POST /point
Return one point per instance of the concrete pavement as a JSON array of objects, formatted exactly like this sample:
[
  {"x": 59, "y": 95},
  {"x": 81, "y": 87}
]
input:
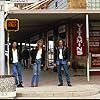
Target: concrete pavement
[{"x": 48, "y": 87}]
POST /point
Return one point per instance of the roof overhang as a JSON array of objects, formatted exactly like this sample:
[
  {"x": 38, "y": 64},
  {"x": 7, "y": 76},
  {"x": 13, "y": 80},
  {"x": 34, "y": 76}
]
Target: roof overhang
[{"x": 36, "y": 21}]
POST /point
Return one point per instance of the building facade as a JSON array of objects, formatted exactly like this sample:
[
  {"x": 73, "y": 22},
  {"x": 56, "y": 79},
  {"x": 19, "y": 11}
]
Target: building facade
[
  {"x": 74, "y": 33},
  {"x": 82, "y": 20}
]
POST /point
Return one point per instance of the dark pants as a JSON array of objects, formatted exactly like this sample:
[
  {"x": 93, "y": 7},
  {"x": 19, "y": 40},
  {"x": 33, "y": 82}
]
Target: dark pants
[
  {"x": 61, "y": 63},
  {"x": 25, "y": 62}
]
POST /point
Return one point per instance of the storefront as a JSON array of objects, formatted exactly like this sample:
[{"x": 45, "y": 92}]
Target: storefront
[
  {"x": 95, "y": 46},
  {"x": 74, "y": 35}
]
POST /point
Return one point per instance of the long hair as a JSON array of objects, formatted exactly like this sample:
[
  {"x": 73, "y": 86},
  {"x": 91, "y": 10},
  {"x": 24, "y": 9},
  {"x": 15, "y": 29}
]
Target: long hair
[
  {"x": 60, "y": 40},
  {"x": 40, "y": 41},
  {"x": 13, "y": 42}
]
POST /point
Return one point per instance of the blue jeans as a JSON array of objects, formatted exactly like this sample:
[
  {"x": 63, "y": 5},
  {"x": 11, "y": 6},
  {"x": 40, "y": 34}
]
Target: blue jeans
[
  {"x": 62, "y": 63},
  {"x": 36, "y": 72},
  {"x": 16, "y": 70}
]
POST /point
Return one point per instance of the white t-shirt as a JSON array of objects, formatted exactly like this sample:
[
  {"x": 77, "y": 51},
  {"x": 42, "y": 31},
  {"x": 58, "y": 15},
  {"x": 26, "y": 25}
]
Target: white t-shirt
[
  {"x": 15, "y": 56},
  {"x": 60, "y": 54},
  {"x": 39, "y": 53}
]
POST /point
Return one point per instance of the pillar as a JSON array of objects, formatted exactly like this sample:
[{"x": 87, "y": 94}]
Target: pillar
[{"x": 2, "y": 41}]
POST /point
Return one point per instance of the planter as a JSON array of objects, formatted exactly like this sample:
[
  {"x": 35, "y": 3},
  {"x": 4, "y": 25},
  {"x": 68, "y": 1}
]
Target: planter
[{"x": 7, "y": 86}]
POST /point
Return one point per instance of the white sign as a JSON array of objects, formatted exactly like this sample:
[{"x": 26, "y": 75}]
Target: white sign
[
  {"x": 79, "y": 40},
  {"x": 23, "y": 1}
]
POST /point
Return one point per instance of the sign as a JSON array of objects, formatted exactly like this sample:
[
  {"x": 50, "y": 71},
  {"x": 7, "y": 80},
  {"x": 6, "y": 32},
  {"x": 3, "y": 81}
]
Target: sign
[
  {"x": 22, "y": 1},
  {"x": 62, "y": 29},
  {"x": 94, "y": 33},
  {"x": 95, "y": 60},
  {"x": 50, "y": 33},
  {"x": 94, "y": 45},
  {"x": 12, "y": 24},
  {"x": 79, "y": 40}
]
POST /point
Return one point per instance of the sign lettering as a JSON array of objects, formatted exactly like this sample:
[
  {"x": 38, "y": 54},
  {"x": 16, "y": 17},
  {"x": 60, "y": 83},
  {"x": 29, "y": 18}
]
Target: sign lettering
[
  {"x": 79, "y": 48},
  {"x": 79, "y": 40}
]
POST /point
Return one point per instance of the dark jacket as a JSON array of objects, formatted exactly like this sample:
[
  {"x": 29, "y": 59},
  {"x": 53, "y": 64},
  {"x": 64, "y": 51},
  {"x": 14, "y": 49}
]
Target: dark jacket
[
  {"x": 65, "y": 53},
  {"x": 25, "y": 54},
  {"x": 11, "y": 55},
  {"x": 34, "y": 53}
]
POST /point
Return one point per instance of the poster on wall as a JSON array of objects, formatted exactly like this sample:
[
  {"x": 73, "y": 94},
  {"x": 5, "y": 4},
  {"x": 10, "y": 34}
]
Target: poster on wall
[
  {"x": 79, "y": 39},
  {"x": 94, "y": 45},
  {"x": 95, "y": 60}
]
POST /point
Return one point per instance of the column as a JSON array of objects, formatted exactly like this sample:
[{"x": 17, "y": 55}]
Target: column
[
  {"x": 2, "y": 41},
  {"x": 87, "y": 37}
]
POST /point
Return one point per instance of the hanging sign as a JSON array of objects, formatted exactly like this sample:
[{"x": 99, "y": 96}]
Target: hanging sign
[
  {"x": 79, "y": 40},
  {"x": 12, "y": 24}
]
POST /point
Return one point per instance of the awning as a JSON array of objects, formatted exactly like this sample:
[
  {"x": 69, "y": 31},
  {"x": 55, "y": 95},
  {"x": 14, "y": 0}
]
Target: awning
[{"x": 36, "y": 21}]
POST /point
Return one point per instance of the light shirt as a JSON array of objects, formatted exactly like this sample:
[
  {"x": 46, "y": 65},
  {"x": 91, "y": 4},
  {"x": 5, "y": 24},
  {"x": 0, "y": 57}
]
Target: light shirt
[
  {"x": 39, "y": 53},
  {"x": 60, "y": 54},
  {"x": 15, "y": 56}
]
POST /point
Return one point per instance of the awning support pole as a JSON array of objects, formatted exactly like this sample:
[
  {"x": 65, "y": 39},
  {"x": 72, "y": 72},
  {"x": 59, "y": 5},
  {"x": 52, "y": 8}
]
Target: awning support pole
[
  {"x": 8, "y": 54},
  {"x": 87, "y": 37}
]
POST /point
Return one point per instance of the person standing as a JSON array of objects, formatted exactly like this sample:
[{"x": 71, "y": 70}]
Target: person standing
[
  {"x": 15, "y": 61},
  {"x": 25, "y": 56},
  {"x": 38, "y": 58},
  {"x": 61, "y": 58}
]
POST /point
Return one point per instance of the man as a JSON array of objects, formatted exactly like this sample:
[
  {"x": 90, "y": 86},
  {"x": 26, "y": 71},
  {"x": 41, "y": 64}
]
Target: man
[
  {"x": 61, "y": 57},
  {"x": 16, "y": 67},
  {"x": 25, "y": 57}
]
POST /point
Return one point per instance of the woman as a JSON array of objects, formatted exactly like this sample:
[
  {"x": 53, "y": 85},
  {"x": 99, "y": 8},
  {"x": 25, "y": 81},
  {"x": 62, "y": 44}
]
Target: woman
[{"x": 38, "y": 58}]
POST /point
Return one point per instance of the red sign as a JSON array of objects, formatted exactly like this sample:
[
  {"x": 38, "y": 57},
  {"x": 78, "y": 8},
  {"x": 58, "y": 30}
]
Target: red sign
[
  {"x": 94, "y": 44},
  {"x": 95, "y": 60},
  {"x": 79, "y": 40},
  {"x": 12, "y": 24}
]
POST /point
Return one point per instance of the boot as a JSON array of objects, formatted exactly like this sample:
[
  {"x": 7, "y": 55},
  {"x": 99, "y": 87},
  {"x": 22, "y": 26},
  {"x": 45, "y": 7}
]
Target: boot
[
  {"x": 68, "y": 83},
  {"x": 20, "y": 85},
  {"x": 61, "y": 84}
]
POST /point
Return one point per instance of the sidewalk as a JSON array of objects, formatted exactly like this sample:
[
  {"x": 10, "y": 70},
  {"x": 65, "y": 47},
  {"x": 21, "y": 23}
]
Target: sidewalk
[{"x": 48, "y": 88}]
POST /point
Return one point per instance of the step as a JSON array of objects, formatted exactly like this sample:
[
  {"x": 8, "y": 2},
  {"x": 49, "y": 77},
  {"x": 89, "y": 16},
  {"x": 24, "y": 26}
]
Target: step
[{"x": 55, "y": 91}]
